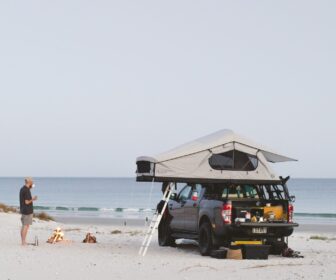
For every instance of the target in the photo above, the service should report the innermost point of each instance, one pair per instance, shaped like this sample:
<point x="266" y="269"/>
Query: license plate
<point x="259" y="230"/>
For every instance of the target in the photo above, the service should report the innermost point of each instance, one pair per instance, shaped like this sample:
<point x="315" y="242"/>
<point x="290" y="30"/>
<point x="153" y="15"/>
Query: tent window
<point x="222" y="161"/>
<point x="233" y="160"/>
<point x="143" y="167"/>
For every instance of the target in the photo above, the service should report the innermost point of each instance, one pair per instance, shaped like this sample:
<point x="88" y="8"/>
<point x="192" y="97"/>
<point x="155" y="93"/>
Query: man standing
<point x="26" y="208"/>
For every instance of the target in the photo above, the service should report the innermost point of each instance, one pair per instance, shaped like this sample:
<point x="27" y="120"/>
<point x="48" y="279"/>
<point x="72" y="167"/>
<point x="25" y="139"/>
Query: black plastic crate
<point x="219" y="254"/>
<point x="255" y="252"/>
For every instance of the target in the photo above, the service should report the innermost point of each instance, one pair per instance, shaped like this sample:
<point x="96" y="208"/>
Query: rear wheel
<point x="165" y="235"/>
<point x="206" y="244"/>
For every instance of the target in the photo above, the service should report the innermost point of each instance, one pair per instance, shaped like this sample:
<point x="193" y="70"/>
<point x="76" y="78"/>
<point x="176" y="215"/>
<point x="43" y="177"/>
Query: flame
<point x="57" y="236"/>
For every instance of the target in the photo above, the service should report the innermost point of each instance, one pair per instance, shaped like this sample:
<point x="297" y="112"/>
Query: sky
<point x="87" y="86"/>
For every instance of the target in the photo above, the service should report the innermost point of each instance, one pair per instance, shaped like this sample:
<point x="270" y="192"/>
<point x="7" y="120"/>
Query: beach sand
<point x="116" y="256"/>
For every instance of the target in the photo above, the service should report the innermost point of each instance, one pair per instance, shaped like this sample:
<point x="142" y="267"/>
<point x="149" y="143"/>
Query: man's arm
<point x="29" y="201"/>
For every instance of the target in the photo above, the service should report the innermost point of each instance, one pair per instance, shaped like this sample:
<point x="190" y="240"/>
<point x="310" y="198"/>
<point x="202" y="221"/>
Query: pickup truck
<point x="218" y="214"/>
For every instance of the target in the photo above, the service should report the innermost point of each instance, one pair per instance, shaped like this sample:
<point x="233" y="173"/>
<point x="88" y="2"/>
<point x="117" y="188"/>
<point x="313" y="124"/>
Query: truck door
<point x="176" y="208"/>
<point x="191" y="209"/>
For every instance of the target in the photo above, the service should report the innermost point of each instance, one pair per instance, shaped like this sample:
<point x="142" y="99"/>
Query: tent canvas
<point x="221" y="156"/>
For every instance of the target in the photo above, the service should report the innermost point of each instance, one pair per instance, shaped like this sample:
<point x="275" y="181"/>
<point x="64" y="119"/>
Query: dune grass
<point x="71" y="229"/>
<point x="43" y="216"/>
<point x="134" y="232"/>
<point x="318" y="237"/>
<point x="7" y="209"/>
<point x="117" y="231"/>
<point x="323" y="238"/>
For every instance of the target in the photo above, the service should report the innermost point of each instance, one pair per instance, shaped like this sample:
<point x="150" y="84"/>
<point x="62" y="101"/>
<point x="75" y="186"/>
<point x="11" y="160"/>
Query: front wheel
<point x="205" y="241"/>
<point x="165" y="235"/>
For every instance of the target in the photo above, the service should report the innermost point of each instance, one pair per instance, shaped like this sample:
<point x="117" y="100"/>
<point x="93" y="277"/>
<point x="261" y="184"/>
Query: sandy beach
<point x="116" y="256"/>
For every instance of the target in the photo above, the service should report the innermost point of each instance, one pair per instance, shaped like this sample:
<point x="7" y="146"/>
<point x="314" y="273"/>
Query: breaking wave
<point x="91" y="209"/>
<point x="317" y="215"/>
<point x="143" y="210"/>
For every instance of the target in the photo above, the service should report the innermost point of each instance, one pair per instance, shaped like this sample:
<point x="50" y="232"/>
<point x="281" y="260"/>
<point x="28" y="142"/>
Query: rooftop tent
<point x="221" y="156"/>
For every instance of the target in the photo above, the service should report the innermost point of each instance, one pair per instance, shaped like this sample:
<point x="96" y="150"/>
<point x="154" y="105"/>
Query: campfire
<point x="57" y="236"/>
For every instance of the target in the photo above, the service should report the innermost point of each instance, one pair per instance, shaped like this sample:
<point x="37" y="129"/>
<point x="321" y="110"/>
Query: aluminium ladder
<point x="154" y="224"/>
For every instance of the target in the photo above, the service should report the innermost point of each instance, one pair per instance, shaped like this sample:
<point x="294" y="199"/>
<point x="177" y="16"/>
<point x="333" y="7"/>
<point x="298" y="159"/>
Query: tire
<point x="205" y="241"/>
<point x="165" y="235"/>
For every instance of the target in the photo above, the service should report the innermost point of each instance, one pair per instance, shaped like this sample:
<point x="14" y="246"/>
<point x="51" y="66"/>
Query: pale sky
<point x="87" y="86"/>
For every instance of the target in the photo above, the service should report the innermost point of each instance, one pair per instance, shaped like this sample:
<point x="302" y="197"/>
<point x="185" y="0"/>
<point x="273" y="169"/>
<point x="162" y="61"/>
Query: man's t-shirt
<point x="25" y="194"/>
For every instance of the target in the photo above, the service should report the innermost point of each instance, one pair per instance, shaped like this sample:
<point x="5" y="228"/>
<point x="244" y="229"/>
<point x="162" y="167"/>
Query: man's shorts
<point x="27" y="220"/>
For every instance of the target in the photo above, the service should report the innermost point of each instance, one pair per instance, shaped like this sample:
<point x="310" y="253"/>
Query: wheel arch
<point x="204" y="218"/>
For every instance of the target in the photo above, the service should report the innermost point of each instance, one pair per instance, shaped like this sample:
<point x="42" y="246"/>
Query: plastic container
<point x="219" y="254"/>
<point x="274" y="212"/>
<point x="234" y="253"/>
<point x="255" y="252"/>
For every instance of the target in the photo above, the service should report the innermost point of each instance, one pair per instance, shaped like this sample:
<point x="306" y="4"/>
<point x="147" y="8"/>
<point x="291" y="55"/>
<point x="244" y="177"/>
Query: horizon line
<point x="120" y="177"/>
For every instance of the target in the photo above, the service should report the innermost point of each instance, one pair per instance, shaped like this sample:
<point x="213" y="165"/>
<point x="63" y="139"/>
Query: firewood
<point x="90" y="239"/>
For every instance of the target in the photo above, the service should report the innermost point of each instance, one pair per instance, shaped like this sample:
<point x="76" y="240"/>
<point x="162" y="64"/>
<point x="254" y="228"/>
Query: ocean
<point x="126" y="199"/>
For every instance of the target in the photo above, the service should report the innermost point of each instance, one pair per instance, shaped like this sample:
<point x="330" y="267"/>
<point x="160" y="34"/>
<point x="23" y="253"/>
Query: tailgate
<point x="268" y="225"/>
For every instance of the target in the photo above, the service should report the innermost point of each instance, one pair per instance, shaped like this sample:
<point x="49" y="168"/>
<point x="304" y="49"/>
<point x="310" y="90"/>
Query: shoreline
<point x="101" y="221"/>
<point x="134" y="222"/>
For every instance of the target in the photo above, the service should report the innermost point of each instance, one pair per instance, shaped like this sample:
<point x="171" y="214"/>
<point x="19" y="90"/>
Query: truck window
<point x="214" y="191"/>
<point x="221" y="191"/>
<point x="241" y="191"/>
<point x="197" y="188"/>
<point x="185" y="193"/>
<point x="273" y="192"/>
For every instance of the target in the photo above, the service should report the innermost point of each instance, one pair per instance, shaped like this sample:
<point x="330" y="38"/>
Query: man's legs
<point x="24" y="231"/>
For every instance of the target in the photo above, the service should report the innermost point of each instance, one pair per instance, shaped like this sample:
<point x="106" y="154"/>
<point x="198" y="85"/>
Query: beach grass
<point x="7" y="209"/>
<point x="131" y="233"/>
<point x="323" y="238"/>
<point x="43" y="216"/>
<point x="117" y="231"/>
<point x="134" y="232"/>
<point x="71" y="229"/>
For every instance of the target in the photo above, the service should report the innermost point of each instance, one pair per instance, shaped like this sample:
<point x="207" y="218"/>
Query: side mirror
<point x="292" y="198"/>
<point x="173" y="196"/>
<point x="194" y="196"/>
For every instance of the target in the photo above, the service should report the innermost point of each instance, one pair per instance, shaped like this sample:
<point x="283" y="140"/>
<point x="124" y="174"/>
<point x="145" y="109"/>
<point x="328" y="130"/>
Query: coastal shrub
<point x="318" y="237"/>
<point x="71" y="229"/>
<point x="134" y="233"/>
<point x="117" y="231"/>
<point x="43" y="216"/>
<point x="7" y="209"/>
